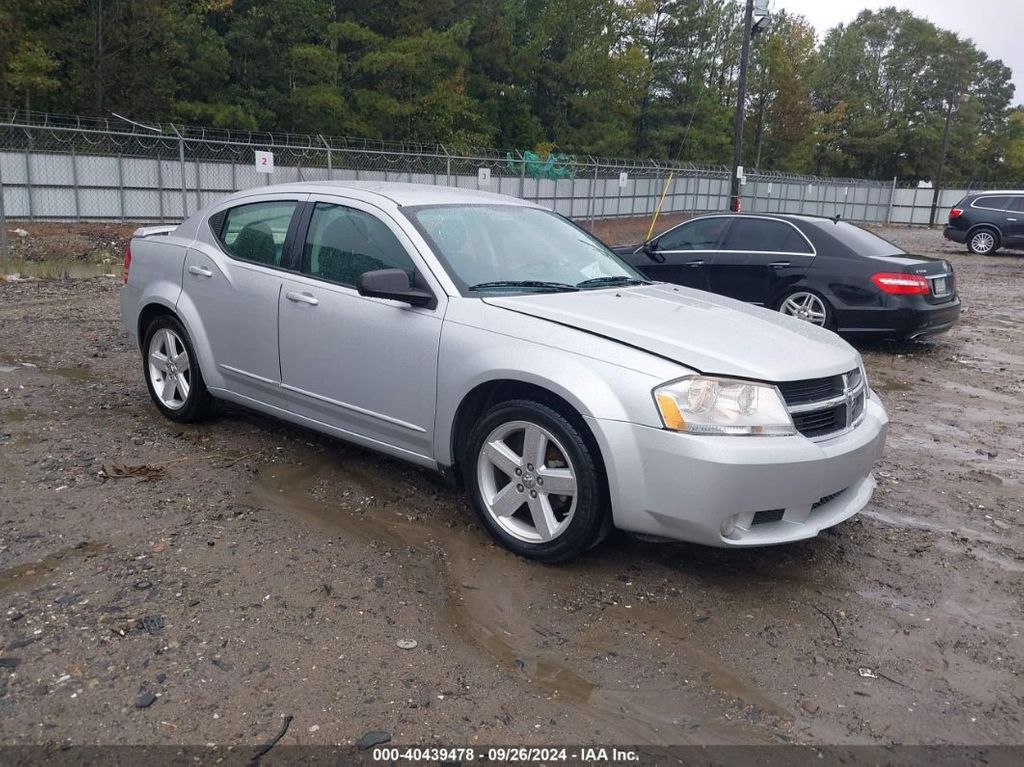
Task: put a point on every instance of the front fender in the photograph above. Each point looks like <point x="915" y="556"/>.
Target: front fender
<point x="472" y="356"/>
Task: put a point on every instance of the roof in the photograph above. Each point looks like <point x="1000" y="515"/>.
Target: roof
<point x="399" y="193"/>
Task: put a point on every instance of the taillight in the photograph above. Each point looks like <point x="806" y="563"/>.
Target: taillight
<point x="955" y="213"/>
<point x="901" y="284"/>
<point x="127" y="262"/>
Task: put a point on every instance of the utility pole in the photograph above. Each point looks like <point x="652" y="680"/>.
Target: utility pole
<point x="741" y="97"/>
<point x="937" y="187"/>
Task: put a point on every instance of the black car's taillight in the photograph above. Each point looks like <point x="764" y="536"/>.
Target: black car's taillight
<point x="955" y="213"/>
<point x="899" y="284"/>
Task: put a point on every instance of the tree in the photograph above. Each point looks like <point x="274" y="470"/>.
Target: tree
<point x="29" y="72"/>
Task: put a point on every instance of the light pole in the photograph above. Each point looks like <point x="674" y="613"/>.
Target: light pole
<point x="749" y="30"/>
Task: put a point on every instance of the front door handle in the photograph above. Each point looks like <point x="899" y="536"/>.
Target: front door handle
<point x="778" y="264"/>
<point x="200" y="271"/>
<point x="301" y="298"/>
<point x="695" y="263"/>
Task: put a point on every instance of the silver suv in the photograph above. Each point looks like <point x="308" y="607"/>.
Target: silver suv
<point x="497" y="342"/>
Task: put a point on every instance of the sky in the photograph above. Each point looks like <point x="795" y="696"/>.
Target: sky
<point x="994" y="25"/>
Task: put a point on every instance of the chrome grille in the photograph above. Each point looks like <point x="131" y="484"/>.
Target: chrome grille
<point x="825" y="407"/>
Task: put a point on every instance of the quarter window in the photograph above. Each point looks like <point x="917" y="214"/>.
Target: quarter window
<point x="763" y="235"/>
<point x="343" y="243"/>
<point x="256" y="232"/>
<point x="702" y="234"/>
<point x="995" y="203"/>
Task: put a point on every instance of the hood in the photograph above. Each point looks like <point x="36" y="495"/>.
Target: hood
<point x="703" y="331"/>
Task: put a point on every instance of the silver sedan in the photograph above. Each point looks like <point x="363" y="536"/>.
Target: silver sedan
<point x="497" y="342"/>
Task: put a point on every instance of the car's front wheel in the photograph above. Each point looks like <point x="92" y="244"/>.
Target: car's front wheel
<point x="983" y="242"/>
<point x="172" y="372"/>
<point x="536" y="482"/>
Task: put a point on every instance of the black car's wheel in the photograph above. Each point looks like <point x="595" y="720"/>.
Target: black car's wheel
<point x="808" y="306"/>
<point x="172" y="372"/>
<point x="536" y="482"/>
<point x="983" y="241"/>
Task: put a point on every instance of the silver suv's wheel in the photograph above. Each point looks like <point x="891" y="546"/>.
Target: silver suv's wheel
<point x="172" y="372"/>
<point x="535" y="479"/>
<point x="806" y="306"/>
<point x="983" y="242"/>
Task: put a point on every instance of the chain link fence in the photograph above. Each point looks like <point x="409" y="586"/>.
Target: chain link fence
<point x="61" y="168"/>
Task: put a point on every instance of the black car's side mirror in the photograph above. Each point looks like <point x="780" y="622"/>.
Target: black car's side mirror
<point x="650" y="249"/>
<point x="393" y="284"/>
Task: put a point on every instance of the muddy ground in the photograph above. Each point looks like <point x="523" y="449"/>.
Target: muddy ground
<point x="169" y="584"/>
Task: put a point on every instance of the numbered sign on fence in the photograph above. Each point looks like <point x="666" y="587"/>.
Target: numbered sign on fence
<point x="623" y="179"/>
<point x="483" y="176"/>
<point x="264" y="162"/>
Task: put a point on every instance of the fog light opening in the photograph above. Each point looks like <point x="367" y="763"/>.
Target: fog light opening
<point x="728" y="528"/>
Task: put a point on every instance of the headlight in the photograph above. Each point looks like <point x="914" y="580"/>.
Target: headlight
<point x="706" y="405"/>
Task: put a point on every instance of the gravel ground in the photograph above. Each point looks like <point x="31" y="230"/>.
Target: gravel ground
<point x="170" y="584"/>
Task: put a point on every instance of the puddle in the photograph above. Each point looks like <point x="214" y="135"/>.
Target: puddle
<point x="77" y="373"/>
<point x="31" y="574"/>
<point x="498" y="603"/>
<point x="61" y="269"/>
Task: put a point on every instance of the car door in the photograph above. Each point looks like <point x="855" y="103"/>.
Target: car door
<point x="365" y="366"/>
<point x="232" y="277"/>
<point x="758" y="257"/>
<point x="683" y="255"/>
<point x="1014" y="231"/>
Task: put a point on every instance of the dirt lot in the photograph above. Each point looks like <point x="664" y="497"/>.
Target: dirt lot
<point x="168" y="584"/>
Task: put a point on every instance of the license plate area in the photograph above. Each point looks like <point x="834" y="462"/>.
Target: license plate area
<point x="940" y="286"/>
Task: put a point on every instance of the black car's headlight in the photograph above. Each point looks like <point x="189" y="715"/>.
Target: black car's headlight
<point x="723" y="406"/>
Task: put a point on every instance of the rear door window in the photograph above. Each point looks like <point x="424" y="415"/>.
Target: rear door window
<point x="1017" y="204"/>
<point x="343" y="243"/>
<point x="763" y="235"/>
<point x="256" y="232"/>
<point x="702" y="234"/>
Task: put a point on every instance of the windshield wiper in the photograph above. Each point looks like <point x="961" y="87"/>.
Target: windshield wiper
<point x="603" y="282"/>
<point x="537" y="284"/>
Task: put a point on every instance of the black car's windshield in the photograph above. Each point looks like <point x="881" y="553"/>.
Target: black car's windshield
<point x="517" y="249"/>
<point x="861" y="241"/>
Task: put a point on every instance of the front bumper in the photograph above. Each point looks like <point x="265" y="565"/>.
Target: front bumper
<point x="684" y="487"/>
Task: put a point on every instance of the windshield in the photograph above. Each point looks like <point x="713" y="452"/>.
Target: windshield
<point x="861" y="241"/>
<point x="517" y="249"/>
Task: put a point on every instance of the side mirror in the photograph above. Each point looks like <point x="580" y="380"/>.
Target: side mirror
<point x="650" y="249"/>
<point x="393" y="284"/>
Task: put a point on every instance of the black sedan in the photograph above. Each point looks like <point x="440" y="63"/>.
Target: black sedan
<point x="822" y="270"/>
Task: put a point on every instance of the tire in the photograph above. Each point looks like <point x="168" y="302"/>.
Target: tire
<point x="171" y="370"/>
<point x="983" y="241"/>
<point x="508" y="491"/>
<point x="809" y="306"/>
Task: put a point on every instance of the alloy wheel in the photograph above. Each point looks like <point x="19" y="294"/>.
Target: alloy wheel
<point x="807" y="307"/>
<point x="527" y="481"/>
<point x="169" y="368"/>
<point x="983" y="242"/>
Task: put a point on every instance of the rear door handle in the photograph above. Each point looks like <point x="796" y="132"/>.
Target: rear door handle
<point x="301" y="298"/>
<point x="1010" y="219"/>
<point x="200" y="271"/>
<point x="695" y="263"/>
<point x="778" y="264"/>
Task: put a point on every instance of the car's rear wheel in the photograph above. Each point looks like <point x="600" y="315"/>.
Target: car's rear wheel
<point x="808" y="306"/>
<point x="172" y="372"/>
<point x="983" y="242"/>
<point x="536" y="482"/>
